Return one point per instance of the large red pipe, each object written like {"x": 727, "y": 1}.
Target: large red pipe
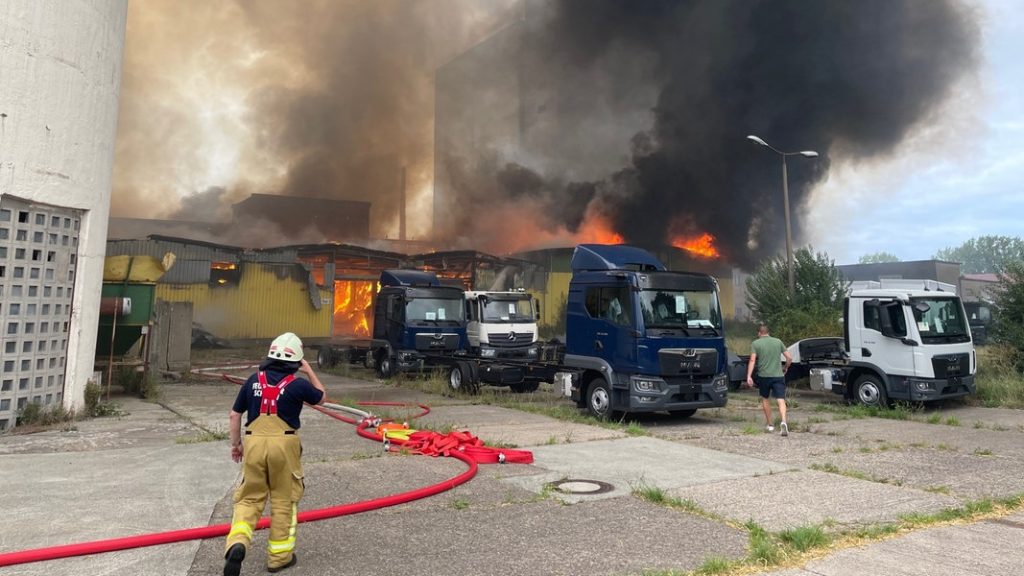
{"x": 205, "y": 532}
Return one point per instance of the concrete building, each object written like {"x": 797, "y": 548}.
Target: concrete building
{"x": 61, "y": 66}
{"x": 948, "y": 272}
{"x": 336, "y": 220}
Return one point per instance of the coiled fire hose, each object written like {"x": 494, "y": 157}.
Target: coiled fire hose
{"x": 461, "y": 446}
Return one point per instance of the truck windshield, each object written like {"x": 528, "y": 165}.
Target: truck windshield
{"x": 943, "y": 320}
{"x": 434, "y": 310}
{"x": 680, "y": 309}
{"x": 507, "y": 311}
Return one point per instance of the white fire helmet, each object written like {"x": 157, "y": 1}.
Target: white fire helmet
{"x": 287, "y": 347}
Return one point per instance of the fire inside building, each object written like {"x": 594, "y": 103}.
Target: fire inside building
{"x": 327, "y": 290}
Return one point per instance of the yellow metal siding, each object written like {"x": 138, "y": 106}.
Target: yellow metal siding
{"x": 726, "y": 298}
{"x": 553, "y": 299}
{"x": 266, "y": 302}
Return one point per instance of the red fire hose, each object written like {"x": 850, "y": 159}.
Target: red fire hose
{"x": 469, "y": 457}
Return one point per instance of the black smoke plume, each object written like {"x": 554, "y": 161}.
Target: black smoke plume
{"x": 844, "y": 77}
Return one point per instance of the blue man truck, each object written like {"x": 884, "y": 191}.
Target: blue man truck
{"x": 417, "y": 322}
{"x": 640, "y": 338}
{"x": 418, "y": 325}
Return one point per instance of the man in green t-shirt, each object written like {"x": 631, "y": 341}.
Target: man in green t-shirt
{"x": 766, "y": 354}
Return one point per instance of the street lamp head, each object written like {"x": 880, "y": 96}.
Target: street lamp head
{"x": 809, "y": 154}
{"x": 758, "y": 140}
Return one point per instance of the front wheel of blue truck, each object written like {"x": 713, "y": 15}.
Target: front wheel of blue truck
{"x": 385, "y": 369}
{"x": 599, "y": 398}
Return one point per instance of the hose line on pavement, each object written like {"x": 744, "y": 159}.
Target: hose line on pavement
{"x": 220, "y": 530}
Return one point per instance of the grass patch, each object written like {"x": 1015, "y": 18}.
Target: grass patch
{"x": 794, "y": 547}
{"x": 805, "y": 538}
{"x": 968, "y": 511}
{"x": 95, "y": 407}
{"x": 35, "y": 414}
{"x": 764, "y": 546}
{"x": 460, "y": 503}
{"x": 998, "y": 382}
{"x": 203, "y": 436}
{"x": 658, "y": 496}
{"x": 833, "y": 469}
{"x": 635, "y": 429}
{"x": 714, "y": 565}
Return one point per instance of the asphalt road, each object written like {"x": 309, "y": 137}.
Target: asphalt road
{"x": 158, "y": 468}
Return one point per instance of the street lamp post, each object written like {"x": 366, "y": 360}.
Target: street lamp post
{"x": 785, "y": 202}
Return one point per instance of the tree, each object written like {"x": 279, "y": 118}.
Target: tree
{"x": 816, "y": 307}
{"x": 1008, "y": 325}
{"x": 878, "y": 258}
{"x": 984, "y": 254}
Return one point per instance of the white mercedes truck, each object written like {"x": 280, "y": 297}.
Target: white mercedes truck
{"x": 501, "y": 324}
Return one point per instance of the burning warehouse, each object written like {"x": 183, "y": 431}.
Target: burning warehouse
{"x": 236, "y": 293}
{"x": 317, "y": 290}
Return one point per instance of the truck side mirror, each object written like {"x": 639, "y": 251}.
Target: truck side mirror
{"x": 536, "y": 309}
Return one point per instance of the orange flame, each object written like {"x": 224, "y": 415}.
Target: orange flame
{"x": 598, "y": 230}
{"x": 353, "y": 307}
{"x": 702, "y": 246}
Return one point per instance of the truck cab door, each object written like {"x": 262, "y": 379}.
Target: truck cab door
{"x": 473, "y": 322}
{"x": 881, "y": 326}
{"x": 615, "y": 334}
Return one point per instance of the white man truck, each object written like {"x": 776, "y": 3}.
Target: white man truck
{"x": 902, "y": 340}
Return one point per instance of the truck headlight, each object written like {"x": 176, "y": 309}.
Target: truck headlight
{"x": 641, "y": 384}
{"x": 924, "y": 386}
{"x": 488, "y": 352}
{"x": 532, "y": 351}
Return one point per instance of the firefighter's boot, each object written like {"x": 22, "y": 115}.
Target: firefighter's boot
{"x": 233, "y": 560}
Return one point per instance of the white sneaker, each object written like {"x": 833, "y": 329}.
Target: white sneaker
{"x": 769, "y": 428}
{"x": 785, "y": 429}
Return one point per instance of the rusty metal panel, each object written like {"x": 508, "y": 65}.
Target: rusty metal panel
{"x": 187, "y": 272}
{"x": 157, "y": 246}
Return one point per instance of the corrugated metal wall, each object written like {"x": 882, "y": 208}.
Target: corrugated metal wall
{"x": 268, "y": 300}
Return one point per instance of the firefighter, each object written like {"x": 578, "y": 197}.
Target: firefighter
{"x": 271, "y": 454}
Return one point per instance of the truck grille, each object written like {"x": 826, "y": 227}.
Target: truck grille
{"x": 509, "y": 339}
{"x": 690, "y": 362}
{"x": 427, "y": 342}
{"x": 951, "y": 365}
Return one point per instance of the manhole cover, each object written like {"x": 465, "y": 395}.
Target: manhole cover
{"x": 579, "y": 486}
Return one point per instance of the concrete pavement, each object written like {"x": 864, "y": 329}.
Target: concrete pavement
{"x": 147, "y": 471}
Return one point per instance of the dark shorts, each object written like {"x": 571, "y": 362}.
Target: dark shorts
{"x": 776, "y": 386}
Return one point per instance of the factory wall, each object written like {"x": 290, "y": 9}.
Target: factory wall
{"x": 268, "y": 299}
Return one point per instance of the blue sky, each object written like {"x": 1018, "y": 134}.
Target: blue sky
{"x": 958, "y": 177}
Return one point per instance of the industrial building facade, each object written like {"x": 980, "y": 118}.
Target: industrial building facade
{"x": 38, "y": 257}
{"x": 61, "y": 77}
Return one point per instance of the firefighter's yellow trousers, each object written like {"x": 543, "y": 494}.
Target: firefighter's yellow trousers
{"x": 271, "y": 465}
